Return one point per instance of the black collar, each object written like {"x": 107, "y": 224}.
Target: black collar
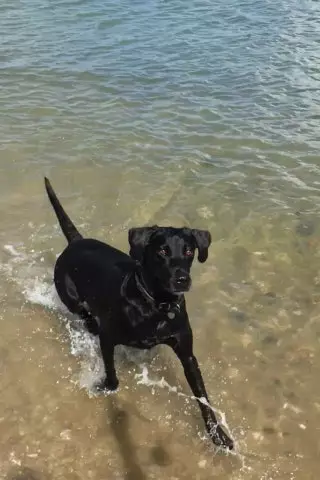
{"x": 170, "y": 308}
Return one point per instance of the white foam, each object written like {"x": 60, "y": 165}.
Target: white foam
{"x": 144, "y": 379}
{"x": 11, "y": 249}
{"x": 41, "y": 293}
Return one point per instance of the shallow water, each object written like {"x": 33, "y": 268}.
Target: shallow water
{"x": 201, "y": 114}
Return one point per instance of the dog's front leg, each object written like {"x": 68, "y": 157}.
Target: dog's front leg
{"x": 184, "y": 350}
{"x": 110, "y": 382}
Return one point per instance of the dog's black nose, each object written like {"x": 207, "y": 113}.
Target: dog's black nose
{"x": 182, "y": 279}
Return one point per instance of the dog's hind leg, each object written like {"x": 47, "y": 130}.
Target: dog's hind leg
{"x": 110, "y": 382}
{"x": 69, "y": 296}
{"x": 89, "y": 320}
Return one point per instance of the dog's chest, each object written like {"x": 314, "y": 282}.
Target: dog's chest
{"x": 154, "y": 331}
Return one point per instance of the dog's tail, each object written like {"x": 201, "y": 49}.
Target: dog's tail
{"x": 66, "y": 224}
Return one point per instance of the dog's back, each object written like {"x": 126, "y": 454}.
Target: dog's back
{"x": 96, "y": 270}
{"x": 87, "y": 268}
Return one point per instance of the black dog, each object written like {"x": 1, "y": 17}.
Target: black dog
{"x": 136, "y": 300}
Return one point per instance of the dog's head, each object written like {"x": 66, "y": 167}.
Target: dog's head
{"x": 167, "y": 253}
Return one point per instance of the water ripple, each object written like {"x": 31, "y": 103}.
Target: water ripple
{"x": 234, "y": 83}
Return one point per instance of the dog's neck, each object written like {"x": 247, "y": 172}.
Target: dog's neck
{"x": 162, "y": 299}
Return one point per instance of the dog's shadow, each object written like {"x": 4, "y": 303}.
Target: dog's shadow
{"x": 26, "y": 473}
{"x": 120, "y": 426}
{"x": 119, "y": 416}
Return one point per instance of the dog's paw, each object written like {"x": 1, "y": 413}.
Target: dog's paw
{"x": 91, "y": 325}
{"x": 221, "y": 439}
{"x": 107, "y": 386}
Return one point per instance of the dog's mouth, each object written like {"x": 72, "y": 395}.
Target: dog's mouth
{"x": 179, "y": 291}
{"x": 181, "y": 286}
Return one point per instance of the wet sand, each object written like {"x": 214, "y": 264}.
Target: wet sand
{"x": 254, "y": 310}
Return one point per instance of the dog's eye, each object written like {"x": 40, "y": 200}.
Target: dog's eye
{"x": 188, "y": 252}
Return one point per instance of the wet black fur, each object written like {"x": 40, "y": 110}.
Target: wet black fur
{"x": 135, "y": 300}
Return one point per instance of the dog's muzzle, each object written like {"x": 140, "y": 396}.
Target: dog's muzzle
{"x": 181, "y": 281}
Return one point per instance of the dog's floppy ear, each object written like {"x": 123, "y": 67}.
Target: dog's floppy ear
{"x": 203, "y": 240}
{"x": 138, "y": 240}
